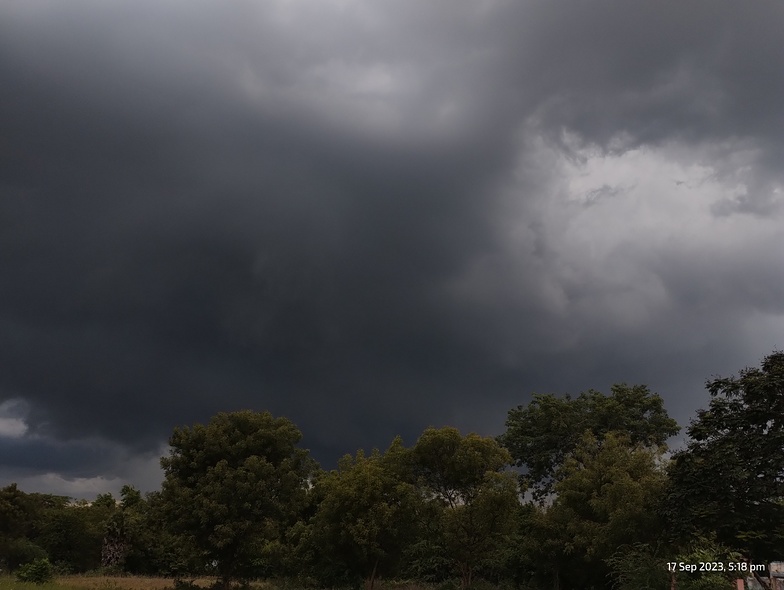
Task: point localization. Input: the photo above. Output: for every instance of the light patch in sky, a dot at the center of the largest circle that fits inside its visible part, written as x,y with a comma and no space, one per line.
622,241
641,196
80,487
366,93
141,471
12,424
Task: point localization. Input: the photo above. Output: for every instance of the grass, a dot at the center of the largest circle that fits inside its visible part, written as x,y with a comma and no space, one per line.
93,582
98,583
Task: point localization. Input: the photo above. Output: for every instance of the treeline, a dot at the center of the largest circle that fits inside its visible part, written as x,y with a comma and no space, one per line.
577,493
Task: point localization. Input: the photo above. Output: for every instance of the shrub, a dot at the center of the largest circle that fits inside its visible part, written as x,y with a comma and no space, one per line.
38,571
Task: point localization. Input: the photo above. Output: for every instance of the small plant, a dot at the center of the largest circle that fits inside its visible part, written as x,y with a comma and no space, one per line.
39,571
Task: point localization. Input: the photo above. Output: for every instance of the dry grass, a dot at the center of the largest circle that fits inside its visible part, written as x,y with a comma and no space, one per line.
93,582
123,583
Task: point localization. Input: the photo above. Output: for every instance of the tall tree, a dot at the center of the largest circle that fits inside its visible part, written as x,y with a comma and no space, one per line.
730,477
365,517
72,534
20,519
543,434
234,486
475,501
608,496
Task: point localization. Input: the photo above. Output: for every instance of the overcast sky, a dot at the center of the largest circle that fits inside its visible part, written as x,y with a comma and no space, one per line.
372,217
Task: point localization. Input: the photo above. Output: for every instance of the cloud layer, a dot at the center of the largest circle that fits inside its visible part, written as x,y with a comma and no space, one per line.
374,217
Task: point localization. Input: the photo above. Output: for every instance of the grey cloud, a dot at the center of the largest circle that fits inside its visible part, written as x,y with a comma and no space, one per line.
352,214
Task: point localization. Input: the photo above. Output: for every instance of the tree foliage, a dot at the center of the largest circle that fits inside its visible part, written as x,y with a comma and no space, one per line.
72,534
730,477
639,566
234,486
543,434
366,516
607,497
20,516
39,571
473,502
609,511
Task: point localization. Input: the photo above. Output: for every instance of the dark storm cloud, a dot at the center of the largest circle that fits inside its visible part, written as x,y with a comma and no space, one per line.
79,459
341,212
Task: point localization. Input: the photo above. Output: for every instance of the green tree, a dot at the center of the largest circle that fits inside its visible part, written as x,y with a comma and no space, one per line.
72,532
234,486
608,496
730,477
20,518
126,535
153,547
365,517
706,550
543,434
473,502
453,467
640,566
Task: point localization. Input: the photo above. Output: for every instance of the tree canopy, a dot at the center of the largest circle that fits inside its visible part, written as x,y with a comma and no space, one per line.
234,485
543,434
607,497
241,500
366,515
473,500
730,477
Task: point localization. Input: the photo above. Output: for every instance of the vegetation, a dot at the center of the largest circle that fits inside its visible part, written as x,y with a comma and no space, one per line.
39,571
595,503
233,487
729,480
542,435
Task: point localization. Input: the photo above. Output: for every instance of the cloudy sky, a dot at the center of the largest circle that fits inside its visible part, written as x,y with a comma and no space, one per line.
371,217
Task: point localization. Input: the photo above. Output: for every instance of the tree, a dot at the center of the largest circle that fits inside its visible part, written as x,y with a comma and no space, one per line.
640,567
72,533
475,501
153,547
706,550
20,518
126,531
365,517
608,496
543,434
730,477
234,486
453,467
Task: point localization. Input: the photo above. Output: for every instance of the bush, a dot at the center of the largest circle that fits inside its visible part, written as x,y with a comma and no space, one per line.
39,571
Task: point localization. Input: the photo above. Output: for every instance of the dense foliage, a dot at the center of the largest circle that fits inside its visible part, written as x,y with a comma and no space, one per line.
38,571
730,477
601,505
543,434
233,488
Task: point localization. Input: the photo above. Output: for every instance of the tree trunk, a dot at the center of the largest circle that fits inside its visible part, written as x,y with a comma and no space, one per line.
371,582
225,571
466,576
